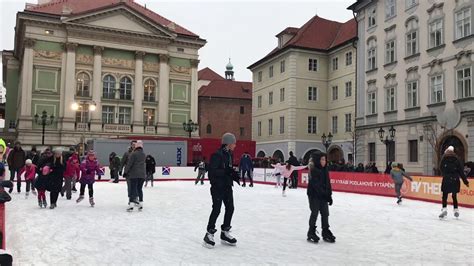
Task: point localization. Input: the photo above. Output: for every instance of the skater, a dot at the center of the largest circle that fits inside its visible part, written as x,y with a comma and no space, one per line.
277,174
55,180
452,170
16,160
135,172
125,156
221,176
41,183
71,175
150,169
202,166
33,155
319,193
89,168
30,173
246,168
287,172
294,177
114,167
397,175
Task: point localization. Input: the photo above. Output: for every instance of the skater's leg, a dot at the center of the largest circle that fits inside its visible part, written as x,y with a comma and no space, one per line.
140,189
455,200
54,197
203,174
445,199
28,185
398,188
249,175
229,209
216,209
243,178
284,183
82,190
314,207
67,187
18,181
295,179
133,189
90,187
324,209
12,175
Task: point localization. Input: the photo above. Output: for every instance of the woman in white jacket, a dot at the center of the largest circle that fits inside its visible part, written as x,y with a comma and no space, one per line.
286,171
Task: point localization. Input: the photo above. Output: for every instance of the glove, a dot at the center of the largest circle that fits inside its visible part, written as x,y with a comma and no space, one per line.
330,201
466,183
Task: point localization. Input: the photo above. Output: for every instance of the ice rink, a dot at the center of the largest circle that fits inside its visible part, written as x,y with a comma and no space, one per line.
270,230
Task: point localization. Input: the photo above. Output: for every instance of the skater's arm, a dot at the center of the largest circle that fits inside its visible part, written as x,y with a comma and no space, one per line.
407,176
297,168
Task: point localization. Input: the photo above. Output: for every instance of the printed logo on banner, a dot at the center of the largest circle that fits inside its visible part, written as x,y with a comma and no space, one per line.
178,156
304,178
166,170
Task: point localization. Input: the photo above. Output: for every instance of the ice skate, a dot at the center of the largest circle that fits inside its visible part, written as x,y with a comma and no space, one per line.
34,192
45,204
26,195
130,207
91,201
140,206
399,201
243,185
456,213
328,236
444,213
283,193
40,203
312,236
79,199
227,239
209,240
52,206
251,185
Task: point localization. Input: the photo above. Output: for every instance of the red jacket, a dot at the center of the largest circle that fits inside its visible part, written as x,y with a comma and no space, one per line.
72,167
30,172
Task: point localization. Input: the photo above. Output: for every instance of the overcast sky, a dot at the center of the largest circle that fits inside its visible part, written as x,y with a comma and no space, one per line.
244,30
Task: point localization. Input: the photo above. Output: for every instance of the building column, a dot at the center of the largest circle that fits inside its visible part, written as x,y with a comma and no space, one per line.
26,115
138,94
164,89
96,116
70,87
194,94
470,140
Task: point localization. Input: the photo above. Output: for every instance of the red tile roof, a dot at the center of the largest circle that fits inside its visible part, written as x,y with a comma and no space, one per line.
289,30
227,89
208,74
77,7
317,34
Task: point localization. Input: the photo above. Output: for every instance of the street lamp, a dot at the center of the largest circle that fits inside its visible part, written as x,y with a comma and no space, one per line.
388,140
327,140
80,106
43,121
190,127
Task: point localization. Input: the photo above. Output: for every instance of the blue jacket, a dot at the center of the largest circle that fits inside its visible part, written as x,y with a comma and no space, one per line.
246,163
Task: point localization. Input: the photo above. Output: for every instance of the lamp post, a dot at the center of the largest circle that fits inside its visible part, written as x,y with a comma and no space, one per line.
44,121
388,140
190,127
327,140
80,106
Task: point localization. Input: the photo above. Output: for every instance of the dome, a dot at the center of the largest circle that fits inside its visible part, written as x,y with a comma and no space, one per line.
229,66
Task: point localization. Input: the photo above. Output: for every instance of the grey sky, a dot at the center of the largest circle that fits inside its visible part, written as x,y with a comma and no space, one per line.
243,30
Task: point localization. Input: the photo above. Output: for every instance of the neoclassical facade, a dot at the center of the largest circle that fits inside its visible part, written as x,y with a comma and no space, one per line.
128,70
414,72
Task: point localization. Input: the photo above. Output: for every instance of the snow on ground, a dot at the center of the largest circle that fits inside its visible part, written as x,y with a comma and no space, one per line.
270,230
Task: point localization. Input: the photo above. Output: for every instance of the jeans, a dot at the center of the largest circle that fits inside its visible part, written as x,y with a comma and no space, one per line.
445,200
90,187
134,189
18,178
318,206
249,175
219,196
140,189
398,188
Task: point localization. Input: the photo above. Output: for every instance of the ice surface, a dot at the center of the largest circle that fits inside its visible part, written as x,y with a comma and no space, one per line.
270,229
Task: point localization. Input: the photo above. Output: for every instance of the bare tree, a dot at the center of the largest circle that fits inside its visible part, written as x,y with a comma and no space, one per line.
433,133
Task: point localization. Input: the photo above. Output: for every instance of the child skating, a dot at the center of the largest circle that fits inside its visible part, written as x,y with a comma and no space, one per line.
89,168
150,169
30,173
286,171
277,175
41,184
397,175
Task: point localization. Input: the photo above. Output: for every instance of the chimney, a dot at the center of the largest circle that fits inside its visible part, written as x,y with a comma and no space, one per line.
42,2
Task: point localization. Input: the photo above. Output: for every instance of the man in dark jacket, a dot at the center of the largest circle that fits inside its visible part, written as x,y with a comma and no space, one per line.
246,168
294,161
126,155
221,176
16,161
114,167
33,155
135,172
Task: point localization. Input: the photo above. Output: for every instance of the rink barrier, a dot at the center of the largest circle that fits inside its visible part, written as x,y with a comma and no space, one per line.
2,226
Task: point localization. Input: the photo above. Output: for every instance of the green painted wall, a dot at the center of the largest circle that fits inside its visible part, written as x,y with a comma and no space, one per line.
119,54
82,49
11,112
48,46
152,58
46,79
51,107
179,92
180,62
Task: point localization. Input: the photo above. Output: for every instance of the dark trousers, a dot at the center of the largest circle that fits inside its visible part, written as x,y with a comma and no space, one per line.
249,175
318,206
16,173
201,175
114,175
445,200
29,184
67,188
294,180
140,189
398,188
53,196
90,187
219,196
149,177
135,189
285,180
6,259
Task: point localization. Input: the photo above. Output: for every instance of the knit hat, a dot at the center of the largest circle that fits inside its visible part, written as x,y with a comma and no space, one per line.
91,152
58,151
228,138
394,164
139,144
28,162
450,148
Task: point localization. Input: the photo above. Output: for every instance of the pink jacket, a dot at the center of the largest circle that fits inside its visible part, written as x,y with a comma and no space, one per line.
72,167
30,172
287,173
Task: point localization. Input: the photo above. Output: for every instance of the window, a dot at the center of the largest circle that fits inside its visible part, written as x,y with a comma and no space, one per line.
242,110
412,43
412,91
464,77
372,99
372,55
372,17
82,114
463,23
242,131
335,63
334,124
108,90
126,88
413,151
282,66
348,58
348,122
390,8
313,64
282,94
149,91
149,117
312,94
410,3
124,115
270,127
270,72
282,124
270,98
208,129
259,128
390,104
83,85
391,149
312,124
348,89
436,33
108,114
259,101
372,152
260,76
390,52
334,93
437,91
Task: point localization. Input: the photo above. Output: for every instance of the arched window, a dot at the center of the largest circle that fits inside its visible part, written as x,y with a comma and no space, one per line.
371,54
125,88
209,129
108,88
412,36
83,85
149,90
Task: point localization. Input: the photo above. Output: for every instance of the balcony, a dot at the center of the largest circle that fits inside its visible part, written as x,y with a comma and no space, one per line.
150,130
117,128
108,95
84,93
149,99
82,126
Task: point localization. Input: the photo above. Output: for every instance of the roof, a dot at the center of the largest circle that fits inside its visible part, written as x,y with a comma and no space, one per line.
55,7
227,89
289,30
317,34
208,74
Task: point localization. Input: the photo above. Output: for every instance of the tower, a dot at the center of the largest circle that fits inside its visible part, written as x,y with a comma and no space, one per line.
229,72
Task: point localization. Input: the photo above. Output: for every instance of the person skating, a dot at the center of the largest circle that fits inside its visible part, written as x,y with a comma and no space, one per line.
287,171
55,179
452,170
71,174
221,176
294,177
16,160
397,175
30,173
202,169
277,175
125,156
33,155
150,169
89,168
114,167
41,184
135,172
246,168
319,193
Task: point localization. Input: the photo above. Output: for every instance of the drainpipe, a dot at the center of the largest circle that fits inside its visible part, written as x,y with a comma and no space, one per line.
354,44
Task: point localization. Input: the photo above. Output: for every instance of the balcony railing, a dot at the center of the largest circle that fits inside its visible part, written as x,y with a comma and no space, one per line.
82,126
149,99
117,128
83,93
125,96
150,129
108,95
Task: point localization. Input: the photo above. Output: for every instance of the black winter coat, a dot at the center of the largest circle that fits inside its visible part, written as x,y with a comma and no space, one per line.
55,179
114,163
319,185
16,159
150,164
452,170
221,173
293,161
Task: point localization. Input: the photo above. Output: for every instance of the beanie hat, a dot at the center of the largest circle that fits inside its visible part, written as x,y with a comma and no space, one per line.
28,162
450,148
46,170
139,144
394,164
228,138
58,151
91,152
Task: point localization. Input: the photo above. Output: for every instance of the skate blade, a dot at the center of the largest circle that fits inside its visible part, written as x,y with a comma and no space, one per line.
206,245
312,241
329,240
130,210
228,243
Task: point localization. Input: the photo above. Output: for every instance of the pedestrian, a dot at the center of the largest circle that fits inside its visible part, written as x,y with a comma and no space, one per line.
287,172
55,179
294,177
41,183
126,155
388,169
246,168
16,160
33,155
360,168
135,172
452,170
89,168
71,174
374,169
467,170
277,175
397,175
150,169
114,167
221,176
30,173
319,193
202,169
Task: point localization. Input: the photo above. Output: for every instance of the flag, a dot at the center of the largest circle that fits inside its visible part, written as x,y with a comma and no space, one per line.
166,170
